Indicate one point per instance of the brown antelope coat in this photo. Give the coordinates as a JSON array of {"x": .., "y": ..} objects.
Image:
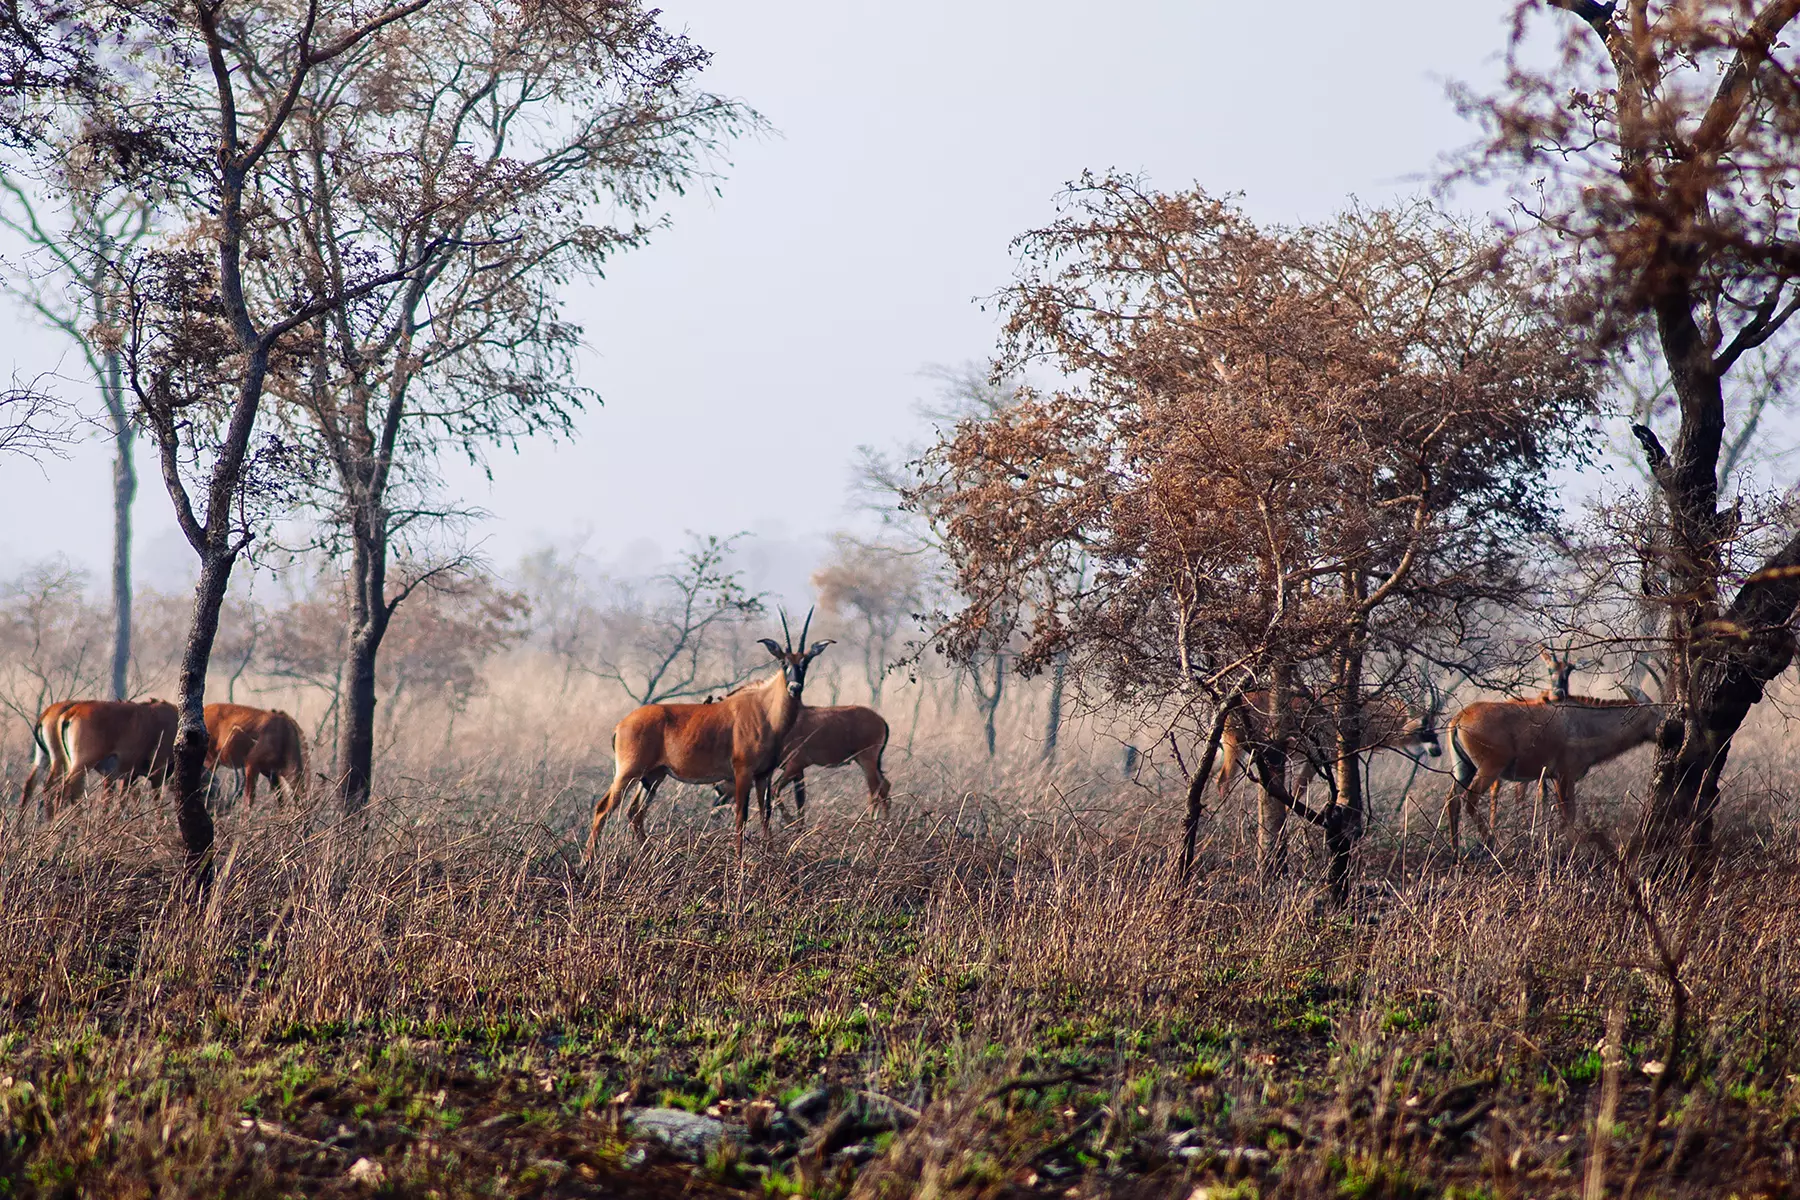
[
  {"x": 46, "y": 751},
  {"x": 1387, "y": 725},
  {"x": 736, "y": 738},
  {"x": 1525, "y": 740},
  {"x": 122, "y": 739},
  {"x": 833, "y": 736},
  {"x": 258, "y": 742}
]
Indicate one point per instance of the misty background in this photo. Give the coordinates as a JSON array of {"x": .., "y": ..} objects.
[{"x": 785, "y": 318}]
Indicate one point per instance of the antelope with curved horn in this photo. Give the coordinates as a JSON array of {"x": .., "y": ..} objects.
[
  {"x": 737, "y": 738},
  {"x": 1524, "y": 740}
]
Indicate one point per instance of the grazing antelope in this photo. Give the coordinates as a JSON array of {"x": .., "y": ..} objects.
[
  {"x": 46, "y": 750},
  {"x": 831, "y": 737},
  {"x": 736, "y": 738},
  {"x": 1387, "y": 725},
  {"x": 265, "y": 742},
  {"x": 122, "y": 739},
  {"x": 1525, "y": 740}
]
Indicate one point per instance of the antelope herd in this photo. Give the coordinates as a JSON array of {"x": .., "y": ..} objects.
[
  {"x": 128, "y": 740},
  {"x": 737, "y": 738},
  {"x": 762, "y": 737}
]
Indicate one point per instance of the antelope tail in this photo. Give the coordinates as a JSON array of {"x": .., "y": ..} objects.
[{"x": 1461, "y": 765}]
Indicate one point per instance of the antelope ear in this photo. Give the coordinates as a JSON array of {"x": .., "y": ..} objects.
[
  {"x": 818, "y": 648},
  {"x": 772, "y": 647}
]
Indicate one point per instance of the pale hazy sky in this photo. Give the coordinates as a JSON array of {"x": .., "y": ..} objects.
[{"x": 747, "y": 352}]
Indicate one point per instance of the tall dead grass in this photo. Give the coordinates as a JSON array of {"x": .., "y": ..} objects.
[{"x": 441, "y": 989}]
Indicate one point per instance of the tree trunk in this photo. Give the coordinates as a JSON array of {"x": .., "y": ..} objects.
[
  {"x": 1053, "y": 717},
  {"x": 1196, "y": 797},
  {"x": 990, "y": 701},
  {"x": 1724, "y": 678},
  {"x": 1271, "y": 762},
  {"x": 1719, "y": 662},
  {"x": 368, "y": 625},
  {"x": 124, "y": 492},
  {"x": 191, "y": 814},
  {"x": 1348, "y": 753}
]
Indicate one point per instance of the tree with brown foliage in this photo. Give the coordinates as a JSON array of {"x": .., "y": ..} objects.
[
  {"x": 871, "y": 591},
  {"x": 506, "y": 147},
  {"x": 1302, "y": 458},
  {"x": 1655, "y": 145}
]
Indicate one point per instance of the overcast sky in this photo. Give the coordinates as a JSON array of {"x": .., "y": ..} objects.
[{"x": 747, "y": 352}]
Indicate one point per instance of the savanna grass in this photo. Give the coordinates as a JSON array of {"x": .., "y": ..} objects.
[{"x": 441, "y": 990}]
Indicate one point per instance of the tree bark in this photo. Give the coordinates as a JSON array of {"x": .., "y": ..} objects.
[
  {"x": 1053, "y": 717},
  {"x": 191, "y": 814},
  {"x": 989, "y": 701},
  {"x": 1196, "y": 797},
  {"x": 124, "y": 493},
  {"x": 369, "y": 615},
  {"x": 1270, "y": 758},
  {"x": 1725, "y": 676},
  {"x": 1719, "y": 662}
]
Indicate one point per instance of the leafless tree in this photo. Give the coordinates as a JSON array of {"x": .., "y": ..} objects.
[
  {"x": 871, "y": 591},
  {"x": 677, "y": 640},
  {"x": 33, "y": 423},
  {"x": 48, "y": 632}
]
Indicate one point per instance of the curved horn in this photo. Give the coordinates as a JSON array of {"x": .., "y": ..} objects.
[
  {"x": 805, "y": 627},
  {"x": 789, "y": 637}
]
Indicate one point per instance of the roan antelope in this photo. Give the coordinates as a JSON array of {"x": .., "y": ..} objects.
[
  {"x": 1525, "y": 740},
  {"x": 831, "y": 737},
  {"x": 736, "y": 738},
  {"x": 122, "y": 739},
  {"x": 256, "y": 741},
  {"x": 46, "y": 751},
  {"x": 1387, "y": 725}
]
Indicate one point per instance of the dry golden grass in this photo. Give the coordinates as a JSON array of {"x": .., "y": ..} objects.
[{"x": 441, "y": 990}]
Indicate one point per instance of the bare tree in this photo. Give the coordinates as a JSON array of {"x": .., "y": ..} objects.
[
  {"x": 1656, "y": 148},
  {"x": 47, "y": 639},
  {"x": 872, "y": 591},
  {"x": 33, "y": 423},
  {"x": 680, "y": 641},
  {"x": 78, "y": 295},
  {"x": 490, "y": 144}
]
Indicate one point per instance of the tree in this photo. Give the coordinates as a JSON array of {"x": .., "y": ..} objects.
[
  {"x": 79, "y": 296},
  {"x": 486, "y": 147},
  {"x": 32, "y": 423},
  {"x": 1656, "y": 146},
  {"x": 48, "y": 631},
  {"x": 1294, "y": 458},
  {"x": 48, "y": 51},
  {"x": 875, "y": 587},
  {"x": 679, "y": 642},
  {"x": 198, "y": 122}
]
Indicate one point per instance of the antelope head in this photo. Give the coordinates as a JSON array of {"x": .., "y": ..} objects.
[
  {"x": 1421, "y": 730},
  {"x": 794, "y": 662},
  {"x": 1561, "y": 666}
]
